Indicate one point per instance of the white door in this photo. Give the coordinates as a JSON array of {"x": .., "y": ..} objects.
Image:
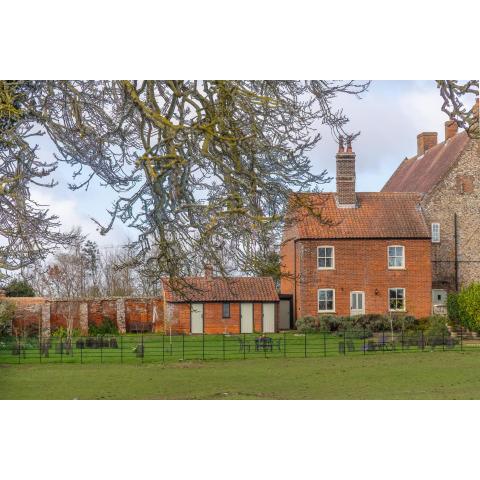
[
  {"x": 246, "y": 317},
  {"x": 197, "y": 317},
  {"x": 284, "y": 320},
  {"x": 439, "y": 302},
  {"x": 268, "y": 315},
  {"x": 357, "y": 303}
]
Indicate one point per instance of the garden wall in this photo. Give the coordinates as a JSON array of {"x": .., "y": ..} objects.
[{"x": 33, "y": 314}]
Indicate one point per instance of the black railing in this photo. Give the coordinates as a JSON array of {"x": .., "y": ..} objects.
[{"x": 164, "y": 348}]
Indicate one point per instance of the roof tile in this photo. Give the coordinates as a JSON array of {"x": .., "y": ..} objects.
[{"x": 219, "y": 289}]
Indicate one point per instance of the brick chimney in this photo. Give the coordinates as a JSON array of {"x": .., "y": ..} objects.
[
  {"x": 346, "y": 196},
  {"x": 208, "y": 271},
  {"x": 425, "y": 140},
  {"x": 451, "y": 129}
]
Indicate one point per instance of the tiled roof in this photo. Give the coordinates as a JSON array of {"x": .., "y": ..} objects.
[
  {"x": 378, "y": 215},
  {"x": 422, "y": 173},
  {"x": 219, "y": 289}
]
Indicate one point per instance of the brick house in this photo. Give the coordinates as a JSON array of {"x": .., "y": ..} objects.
[
  {"x": 447, "y": 177},
  {"x": 369, "y": 252},
  {"x": 219, "y": 305}
]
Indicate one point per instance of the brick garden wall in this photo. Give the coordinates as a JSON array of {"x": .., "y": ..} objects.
[{"x": 82, "y": 312}]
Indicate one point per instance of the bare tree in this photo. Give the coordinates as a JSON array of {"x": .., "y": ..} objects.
[
  {"x": 198, "y": 166},
  {"x": 452, "y": 92},
  {"x": 27, "y": 231}
]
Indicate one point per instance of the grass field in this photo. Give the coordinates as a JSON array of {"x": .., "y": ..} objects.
[{"x": 422, "y": 375}]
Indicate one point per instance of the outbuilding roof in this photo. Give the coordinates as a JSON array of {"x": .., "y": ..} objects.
[
  {"x": 219, "y": 289},
  {"x": 378, "y": 215},
  {"x": 422, "y": 173}
]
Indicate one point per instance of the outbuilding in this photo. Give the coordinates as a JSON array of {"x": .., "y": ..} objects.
[{"x": 218, "y": 305}]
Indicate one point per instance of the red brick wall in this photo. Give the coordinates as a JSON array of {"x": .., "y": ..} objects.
[
  {"x": 28, "y": 311},
  {"x": 212, "y": 318},
  {"x": 362, "y": 265}
]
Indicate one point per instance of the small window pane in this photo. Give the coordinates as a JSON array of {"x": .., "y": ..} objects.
[
  {"x": 226, "y": 310},
  {"x": 396, "y": 257},
  {"x": 325, "y": 257},
  {"x": 397, "y": 298},
  {"x": 325, "y": 300}
]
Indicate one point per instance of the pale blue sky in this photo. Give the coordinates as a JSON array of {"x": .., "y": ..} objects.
[{"x": 389, "y": 116}]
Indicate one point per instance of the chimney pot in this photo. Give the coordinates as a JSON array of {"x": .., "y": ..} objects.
[
  {"x": 425, "y": 140},
  {"x": 208, "y": 271},
  {"x": 451, "y": 129}
]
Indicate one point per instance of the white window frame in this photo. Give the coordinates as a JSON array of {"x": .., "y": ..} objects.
[
  {"x": 402, "y": 267},
  {"x": 436, "y": 239},
  {"x": 318, "y": 300},
  {"x": 333, "y": 257},
  {"x": 404, "y": 309}
]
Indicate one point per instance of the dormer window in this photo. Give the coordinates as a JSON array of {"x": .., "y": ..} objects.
[
  {"x": 396, "y": 257},
  {"x": 326, "y": 258}
]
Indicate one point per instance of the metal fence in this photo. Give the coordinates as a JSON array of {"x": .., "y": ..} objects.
[{"x": 138, "y": 348}]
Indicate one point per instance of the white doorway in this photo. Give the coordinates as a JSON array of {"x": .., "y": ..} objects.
[
  {"x": 357, "y": 303},
  {"x": 246, "y": 318},
  {"x": 196, "y": 318},
  {"x": 268, "y": 316}
]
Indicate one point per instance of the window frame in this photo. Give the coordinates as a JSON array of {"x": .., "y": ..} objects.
[
  {"x": 433, "y": 239},
  {"x": 332, "y": 257},
  {"x": 402, "y": 267},
  {"x": 229, "y": 310},
  {"x": 333, "y": 300},
  {"x": 404, "y": 309}
]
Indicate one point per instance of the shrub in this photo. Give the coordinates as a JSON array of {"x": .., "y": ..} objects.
[
  {"x": 453, "y": 308},
  {"x": 7, "y": 311},
  {"x": 19, "y": 288},
  {"x": 107, "y": 327},
  {"x": 469, "y": 307},
  {"x": 308, "y": 324},
  {"x": 436, "y": 327}
]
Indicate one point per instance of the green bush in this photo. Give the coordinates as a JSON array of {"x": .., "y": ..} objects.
[
  {"x": 19, "y": 288},
  {"x": 7, "y": 312},
  {"x": 107, "y": 327},
  {"x": 469, "y": 307},
  {"x": 436, "y": 329},
  {"x": 308, "y": 324},
  {"x": 453, "y": 308}
]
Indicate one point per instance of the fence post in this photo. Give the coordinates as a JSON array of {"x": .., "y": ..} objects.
[
  {"x": 383, "y": 341},
  {"x": 284, "y": 344},
  {"x": 443, "y": 340},
  {"x": 163, "y": 348},
  {"x": 423, "y": 341},
  {"x": 40, "y": 349},
  {"x": 345, "y": 341},
  {"x": 223, "y": 345},
  {"x": 364, "y": 333},
  {"x": 244, "y": 346},
  {"x": 82, "y": 342},
  {"x": 143, "y": 349},
  {"x": 324, "y": 343},
  {"x": 183, "y": 345},
  {"x": 402, "y": 340},
  {"x": 461, "y": 338},
  {"x": 203, "y": 346},
  {"x": 101, "y": 349},
  {"x": 305, "y": 344},
  {"x": 61, "y": 349},
  {"x": 19, "y": 350}
]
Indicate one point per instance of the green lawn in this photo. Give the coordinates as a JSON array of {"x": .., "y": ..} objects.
[{"x": 422, "y": 375}]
